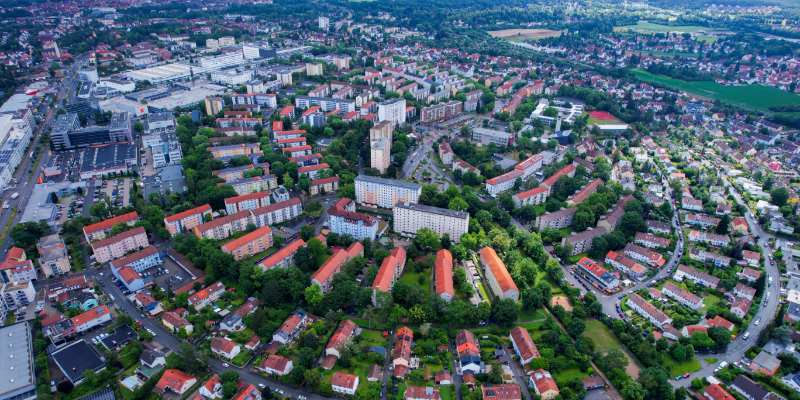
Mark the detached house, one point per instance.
(225, 348)
(206, 296)
(275, 364)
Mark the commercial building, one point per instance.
(187, 220)
(379, 192)
(700, 278)
(598, 276)
(485, 136)
(409, 218)
(496, 273)
(183, 69)
(99, 230)
(114, 247)
(342, 219)
(67, 133)
(20, 377)
(250, 201)
(393, 110)
(444, 275)
(224, 227)
(77, 358)
(250, 244)
(107, 160)
(16, 131)
(582, 242)
(283, 258)
(647, 310)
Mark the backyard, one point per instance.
(686, 366)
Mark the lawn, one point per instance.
(533, 329)
(322, 259)
(483, 292)
(649, 26)
(709, 301)
(525, 315)
(375, 336)
(664, 53)
(444, 392)
(711, 360)
(753, 96)
(688, 365)
(413, 278)
(570, 374)
(602, 336)
(708, 39)
(241, 358)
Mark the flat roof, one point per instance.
(432, 210)
(391, 182)
(121, 334)
(76, 358)
(98, 158)
(14, 103)
(16, 342)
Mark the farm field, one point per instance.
(523, 33)
(753, 96)
(649, 26)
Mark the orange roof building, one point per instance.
(175, 381)
(250, 244)
(498, 276)
(444, 274)
(523, 344)
(324, 275)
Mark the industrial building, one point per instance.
(67, 133)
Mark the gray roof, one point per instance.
(53, 254)
(76, 358)
(105, 393)
(50, 240)
(391, 182)
(433, 210)
(747, 385)
(149, 356)
(766, 360)
(16, 340)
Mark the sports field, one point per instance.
(649, 26)
(524, 33)
(601, 117)
(753, 96)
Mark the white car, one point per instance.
(261, 385)
(225, 365)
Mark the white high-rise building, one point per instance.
(393, 110)
(380, 192)
(379, 153)
(410, 218)
(324, 23)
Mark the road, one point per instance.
(25, 186)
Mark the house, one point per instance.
(752, 258)
(682, 296)
(689, 330)
(247, 392)
(749, 274)
(741, 306)
(740, 225)
(235, 320)
(765, 363)
(175, 381)
(344, 383)
(543, 384)
(594, 382)
(719, 321)
(422, 393)
(212, 388)
(225, 348)
(670, 332)
(275, 364)
(146, 302)
(174, 322)
(402, 347)
(375, 373)
(716, 392)
(342, 334)
(291, 327)
(442, 377)
(744, 291)
(153, 358)
(206, 296)
(469, 353)
(748, 388)
(523, 345)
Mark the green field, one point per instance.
(708, 39)
(649, 26)
(710, 301)
(688, 365)
(603, 338)
(753, 96)
(525, 315)
(663, 53)
(711, 360)
(413, 278)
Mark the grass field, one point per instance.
(753, 96)
(525, 315)
(444, 392)
(413, 278)
(662, 53)
(603, 338)
(688, 365)
(570, 374)
(649, 26)
(709, 301)
(708, 39)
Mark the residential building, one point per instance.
(443, 277)
(584, 192)
(598, 276)
(700, 278)
(741, 307)
(17, 267)
(422, 393)
(175, 381)
(99, 230)
(647, 310)
(544, 385)
(569, 171)
(409, 218)
(206, 296)
(340, 336)
(646, 256)
(582, 242)
(709, 257)
(556, 220)
(224, 227)
(659, 227)
(749, 274)
(291, 327)
(523, 345)
(324, 275)
(323, 186)
(250, 244)
(708, 237)
(343, 219)
(380, 151)
(175, 322)
(393, 110)
(225, 348)
(683, 297)
(53, 259)
(744, 291)
(753, 258)
(283, 258)
(91, 318)
(496, 273)
(719, 321)
(404, 342)
(440, 111)
(651, 241)
(748, 388)
(275, 364)
(114, 247)
(502, 392)
(632, 268)
(701, 220)
(187, 220)
(532, 197)
(469, 355)
(766, 363)
(390, 270)
(18, 294)
(249, 201)
(214, 105)
(379, 192)
(278, 212)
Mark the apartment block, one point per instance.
(500, 184)
(632, 268)
(381, 130)
(644, 255)
(380, 153)
(214, 105)
(556, 220)
(409, 218)
(598, 276)
(497, 275)
(682, 296)
(324, 275)
(342, 219)
(584, 192)
(254, 184)
(18, 294)
(485, 136)
(250, 244)
(114, 247)
(443, 278)
(582, 241)
(235, 150)
(440, 111)
(283, 258)
(278, 212)
(611, 219)
(532, 197)
(187, 220)
(247, 202)
(390, 270)
(53, 257)
(700, 278)
(313, 69)
(647, 310)
(379, 192)
(393, 110)
(322, 186)
(224, 227)
(99, 230)
(569, 171)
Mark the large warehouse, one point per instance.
(107, 159)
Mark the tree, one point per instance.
(307, 357)
(723, 226)
(615, 358)
(779, 196)
(229, 390)
(426, 238)
(720, 335)
(445, 241)
(633, 391)
(307, 232)
(505, 312)
(783, 333)
(314, 295)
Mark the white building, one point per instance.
(393, 110)
(18, 294)
(342, 219)
(232, 77)
(379, 192)
(409, 218)
(380, 150)
(344, 383)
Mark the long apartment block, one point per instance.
(409, 218)
(249, 201)
(187, 220)
(250, 244)
(114, 247)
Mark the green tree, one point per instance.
(779, 196)
(505, 312)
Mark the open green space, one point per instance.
(483, 292)
(709, 301)
(649, 26)
(444, 392)
(413, 278)
(688, 365)
(570, 374)
(753, 96)
(373, 335)
(525, 315)
(664, 53)
(711, 360)
(603, 338)
(708, 39)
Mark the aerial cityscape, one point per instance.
(402, 200)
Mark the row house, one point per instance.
(632, 268)
(707, 237)
(682, 296)
(709, 257)
(701, 220)
(187, 220)
(651, 241)
(647, 310)
(700, 278)
(744, 291)
(114, 247)
(659, 227)
(644, 255)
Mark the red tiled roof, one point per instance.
(522, 338)
(325, 181)
(222, 221)
(173, 379)
(498, 269)
(281, 254)
(330, 266)
(223, 345)
(90, 315)
(532, 192)
(385, 274)
(107, 224)
(716, 392)
(256, 234)
(420, 392)
(544, 381)
(188, 213)
(16, 253)
(444, 272)
(344, 380)
(109, 240)
(719, 321)
(275, 362)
